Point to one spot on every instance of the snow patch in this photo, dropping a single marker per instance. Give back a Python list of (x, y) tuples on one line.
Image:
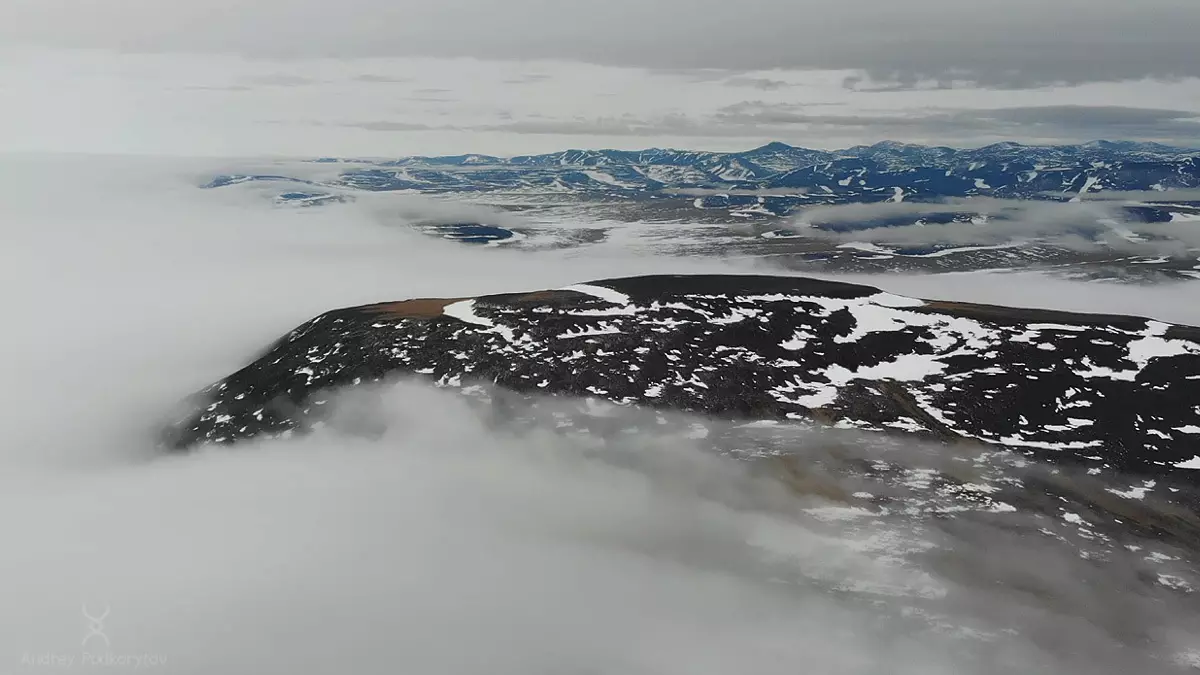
[(465, 311), (606, 294)]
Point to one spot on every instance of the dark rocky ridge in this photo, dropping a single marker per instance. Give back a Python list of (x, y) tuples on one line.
[(1106, 392)]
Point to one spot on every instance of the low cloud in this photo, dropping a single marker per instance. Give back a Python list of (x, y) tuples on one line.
[(1078, 225), (447, 544), (1148, 196)]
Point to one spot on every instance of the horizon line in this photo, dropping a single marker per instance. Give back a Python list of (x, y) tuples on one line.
[(1164, 146)]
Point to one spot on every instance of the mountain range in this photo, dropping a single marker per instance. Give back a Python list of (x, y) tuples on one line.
[(776, 179)]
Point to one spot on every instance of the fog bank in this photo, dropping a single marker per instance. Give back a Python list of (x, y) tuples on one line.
[(443, 546)]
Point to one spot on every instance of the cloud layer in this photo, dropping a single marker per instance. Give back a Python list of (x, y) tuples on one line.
[(444, 546), (1036, 124), (1089, 225), (1016, 43), (173, 104)]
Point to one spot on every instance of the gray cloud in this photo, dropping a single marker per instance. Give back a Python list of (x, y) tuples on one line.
[(281, 80), (763, 83), (231, 87), (1081, 114), (1035, 123), (1014, 43), (384, 125), (528, 78), (759, 120), (756, 112), (625, 125), (383, 79)]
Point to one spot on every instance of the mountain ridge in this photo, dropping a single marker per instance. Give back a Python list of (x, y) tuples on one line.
[(885, 171), (1106, 392), (647, 155)]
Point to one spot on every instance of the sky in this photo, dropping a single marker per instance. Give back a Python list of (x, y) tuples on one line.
[(369, 77), (1009, 43)]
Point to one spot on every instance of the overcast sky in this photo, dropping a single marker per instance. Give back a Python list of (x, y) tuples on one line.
[(189, 105), (376, 77), (1008, 43)]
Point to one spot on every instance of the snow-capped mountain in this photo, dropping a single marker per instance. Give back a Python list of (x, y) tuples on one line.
[(790, 176)]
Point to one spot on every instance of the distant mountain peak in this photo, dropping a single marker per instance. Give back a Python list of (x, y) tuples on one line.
[(774, 146), (1126, 146)]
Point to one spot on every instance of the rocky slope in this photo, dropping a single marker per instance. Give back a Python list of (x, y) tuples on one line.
[(1100, 392)]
